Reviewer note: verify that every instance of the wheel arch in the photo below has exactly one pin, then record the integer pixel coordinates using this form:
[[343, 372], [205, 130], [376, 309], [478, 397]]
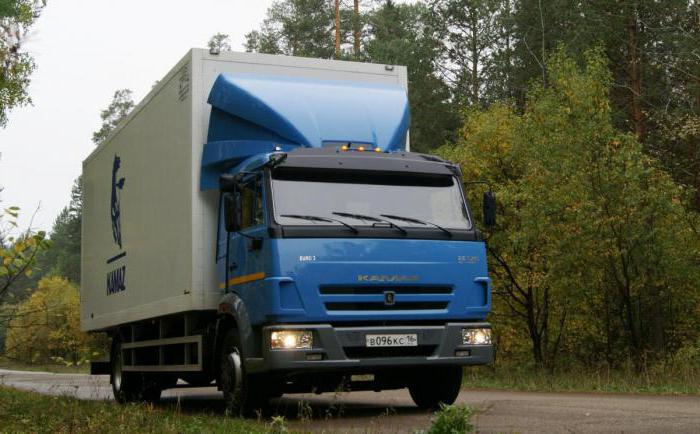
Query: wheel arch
[[232, 313]]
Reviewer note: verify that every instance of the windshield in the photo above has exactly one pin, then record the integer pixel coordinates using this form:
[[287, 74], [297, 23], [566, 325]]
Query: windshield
[[332, 197]]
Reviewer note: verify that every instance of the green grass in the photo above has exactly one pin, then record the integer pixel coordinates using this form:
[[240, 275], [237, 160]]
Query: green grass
[[45, 367], [657, 381], [22, 411]]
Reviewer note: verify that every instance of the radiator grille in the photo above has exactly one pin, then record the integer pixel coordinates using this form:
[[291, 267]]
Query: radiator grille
[[374, 299]]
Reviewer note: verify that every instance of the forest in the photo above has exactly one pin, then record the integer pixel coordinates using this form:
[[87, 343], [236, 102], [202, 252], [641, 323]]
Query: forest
[[582, 117]]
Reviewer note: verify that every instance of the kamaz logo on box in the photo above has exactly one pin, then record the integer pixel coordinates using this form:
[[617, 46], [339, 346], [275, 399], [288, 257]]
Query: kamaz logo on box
[[116, 279]]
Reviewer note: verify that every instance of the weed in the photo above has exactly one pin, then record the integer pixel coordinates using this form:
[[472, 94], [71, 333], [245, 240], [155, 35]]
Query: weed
[[22, 411], [277, 425], [304, 411], [451, 419]]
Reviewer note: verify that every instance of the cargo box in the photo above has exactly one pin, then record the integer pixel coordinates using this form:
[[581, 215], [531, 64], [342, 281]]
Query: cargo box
[[149, 232]]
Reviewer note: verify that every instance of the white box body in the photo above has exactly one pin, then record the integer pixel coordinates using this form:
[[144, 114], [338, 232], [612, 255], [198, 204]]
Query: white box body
[[166, 261]]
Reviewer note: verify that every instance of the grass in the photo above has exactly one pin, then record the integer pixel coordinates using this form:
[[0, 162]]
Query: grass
[[656, 381], [22, 411], [45, 367]]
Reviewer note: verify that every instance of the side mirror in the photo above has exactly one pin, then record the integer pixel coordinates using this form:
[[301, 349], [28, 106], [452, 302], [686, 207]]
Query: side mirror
[[232, 203], [489, 208]]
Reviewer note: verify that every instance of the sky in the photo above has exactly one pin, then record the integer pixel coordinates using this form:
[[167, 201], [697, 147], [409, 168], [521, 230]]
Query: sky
[[84, 51]]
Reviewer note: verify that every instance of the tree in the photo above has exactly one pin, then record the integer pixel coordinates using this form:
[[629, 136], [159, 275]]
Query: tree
[[653, 51], [18, 252], [401, 34], [296, 28], [469, 36], [593, 235], [117, 110], [16, 66], [64, 255], [219, 42], [46, 327]]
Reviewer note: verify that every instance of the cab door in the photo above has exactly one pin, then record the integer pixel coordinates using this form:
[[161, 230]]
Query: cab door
[[246, 259]]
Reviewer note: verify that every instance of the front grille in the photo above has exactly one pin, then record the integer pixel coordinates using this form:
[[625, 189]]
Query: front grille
[[372, 298], [368, 290], [374, 353], [399, 305]]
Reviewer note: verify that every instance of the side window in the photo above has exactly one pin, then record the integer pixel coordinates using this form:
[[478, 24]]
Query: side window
[[251, 204]]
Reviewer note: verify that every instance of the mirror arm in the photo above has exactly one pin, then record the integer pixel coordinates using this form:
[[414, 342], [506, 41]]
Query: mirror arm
[[479, 182]]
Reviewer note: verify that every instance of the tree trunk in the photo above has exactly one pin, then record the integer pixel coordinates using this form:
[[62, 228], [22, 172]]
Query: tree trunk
[[337, 29], [634, 71], [474, 59], [356, 28], [535, 336]]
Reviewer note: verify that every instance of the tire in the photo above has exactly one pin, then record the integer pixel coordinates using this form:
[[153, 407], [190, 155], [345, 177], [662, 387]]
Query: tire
[[130, 386], [126, 386], [244, 393], [434, 387]]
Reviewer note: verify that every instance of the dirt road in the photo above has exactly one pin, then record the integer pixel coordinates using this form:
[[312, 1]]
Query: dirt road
[[393, 411]]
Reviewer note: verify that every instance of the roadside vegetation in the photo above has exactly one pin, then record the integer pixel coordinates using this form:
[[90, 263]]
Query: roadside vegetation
[[658, 379], [22, 411]]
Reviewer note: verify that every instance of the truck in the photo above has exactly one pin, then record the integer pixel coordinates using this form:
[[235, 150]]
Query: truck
[[258, 223]]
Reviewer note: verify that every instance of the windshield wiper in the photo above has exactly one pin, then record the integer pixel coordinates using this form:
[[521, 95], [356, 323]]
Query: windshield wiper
[[371, 219], [414, 220], [314, 218]]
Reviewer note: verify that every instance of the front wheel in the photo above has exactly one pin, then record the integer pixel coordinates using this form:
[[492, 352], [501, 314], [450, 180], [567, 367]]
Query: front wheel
[[439, 386], [243, 393]]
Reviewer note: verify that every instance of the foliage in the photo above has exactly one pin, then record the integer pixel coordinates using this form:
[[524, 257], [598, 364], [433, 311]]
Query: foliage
[[220, 42], [16, 66], [469, 31], [64, 255], [22, 411], [452, 419], [278, 425], [296, 28], [46, 327], [117, 110], [402, 35], [17, 253], [595, 255], [678, 375]]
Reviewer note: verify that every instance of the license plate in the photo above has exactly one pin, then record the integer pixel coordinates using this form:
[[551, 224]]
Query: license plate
[[409, 340]]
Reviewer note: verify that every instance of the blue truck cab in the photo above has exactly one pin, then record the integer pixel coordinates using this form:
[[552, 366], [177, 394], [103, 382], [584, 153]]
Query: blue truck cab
[[343, 260]]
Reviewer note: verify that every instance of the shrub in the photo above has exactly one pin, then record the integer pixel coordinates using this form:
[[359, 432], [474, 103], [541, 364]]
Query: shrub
[[452, 419]]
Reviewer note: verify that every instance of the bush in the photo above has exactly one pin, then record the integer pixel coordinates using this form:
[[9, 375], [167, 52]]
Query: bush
[[452, 419], [46, 327]]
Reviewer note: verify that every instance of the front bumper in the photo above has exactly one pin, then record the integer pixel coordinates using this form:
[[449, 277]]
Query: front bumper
[[344, 348]]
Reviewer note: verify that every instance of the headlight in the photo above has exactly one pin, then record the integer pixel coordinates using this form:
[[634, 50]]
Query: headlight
[[476, 336], [291, 340]]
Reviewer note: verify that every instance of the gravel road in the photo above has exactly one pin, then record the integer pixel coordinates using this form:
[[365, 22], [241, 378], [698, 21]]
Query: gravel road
[[393, 411]]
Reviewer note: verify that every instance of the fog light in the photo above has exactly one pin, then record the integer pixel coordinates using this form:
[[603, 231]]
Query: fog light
[[476, 336], [314, 357], [291, 340]]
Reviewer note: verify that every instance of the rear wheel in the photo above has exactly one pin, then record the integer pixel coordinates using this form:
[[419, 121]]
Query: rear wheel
[[131, 386], [244, 393], [436, 386], [125, 385]]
